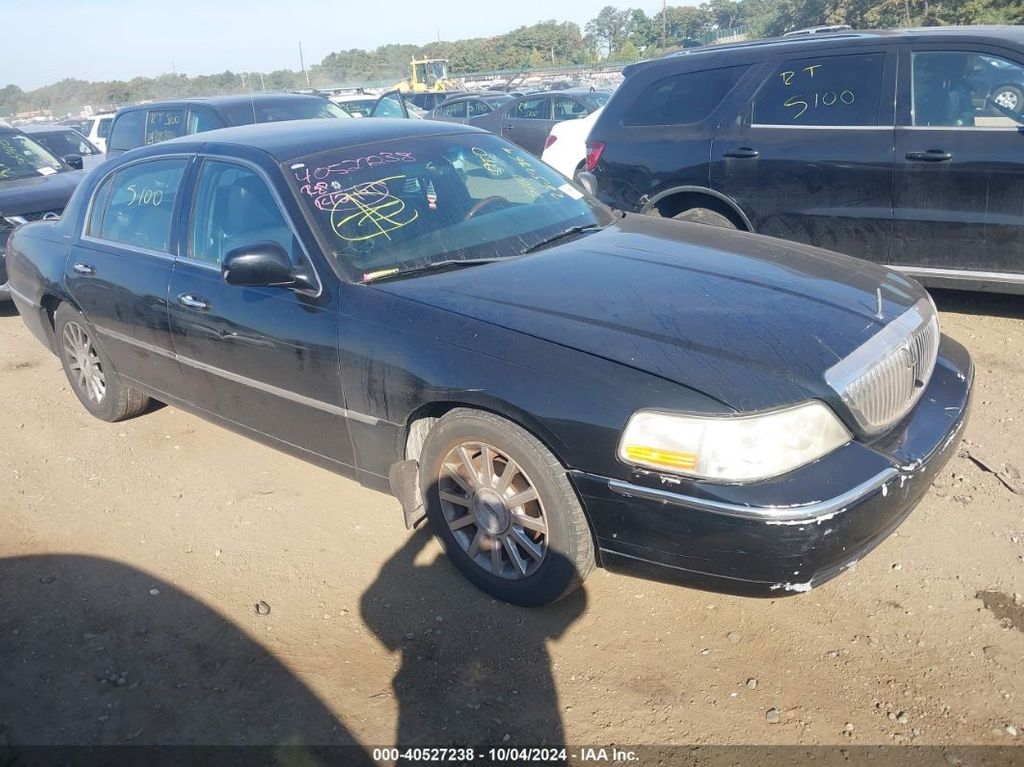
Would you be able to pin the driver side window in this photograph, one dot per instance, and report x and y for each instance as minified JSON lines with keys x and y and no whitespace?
{"x":234,"y":208}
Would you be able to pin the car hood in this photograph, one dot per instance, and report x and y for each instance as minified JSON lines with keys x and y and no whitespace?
{"x":749,"y":320}
{"x":39,"y":193}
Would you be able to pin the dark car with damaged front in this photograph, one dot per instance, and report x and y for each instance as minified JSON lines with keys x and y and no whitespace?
{"x":429,"y":309}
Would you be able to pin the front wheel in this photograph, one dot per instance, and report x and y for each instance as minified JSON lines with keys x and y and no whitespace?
{"x":503,"y":508}
{"x":91,"y":374}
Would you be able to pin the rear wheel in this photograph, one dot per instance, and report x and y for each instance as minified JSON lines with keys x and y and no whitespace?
{"x":705,"y":216}
{"x":91,"y":374}
{"x":504,"y":510}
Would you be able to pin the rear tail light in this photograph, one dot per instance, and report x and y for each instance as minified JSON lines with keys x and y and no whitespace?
{"x":594,"y":150}
{"x":551,"y":139}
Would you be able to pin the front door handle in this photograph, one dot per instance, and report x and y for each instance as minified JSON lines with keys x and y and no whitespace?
{"x":86,"y":270}
{"x":932,"y":155}
{"x":191,"y":302}
{"x":743,"y":153}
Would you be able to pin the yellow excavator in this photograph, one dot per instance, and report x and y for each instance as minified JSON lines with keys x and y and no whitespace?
{"x":427,"y":76}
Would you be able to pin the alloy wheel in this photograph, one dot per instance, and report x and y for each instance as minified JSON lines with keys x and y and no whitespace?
{"x":493,"y":510}
{"x":1008,"y":100}
{"x":84,"y":363}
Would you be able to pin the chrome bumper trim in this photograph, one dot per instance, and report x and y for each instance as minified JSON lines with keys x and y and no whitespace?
{"x":818,"y":511}
{"x":19,"y":295}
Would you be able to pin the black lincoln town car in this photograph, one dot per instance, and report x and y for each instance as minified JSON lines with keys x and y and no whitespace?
{"x":427,"y":308}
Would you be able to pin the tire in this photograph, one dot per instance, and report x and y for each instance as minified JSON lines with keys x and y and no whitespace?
{"x":101,"y":390}
{"x":705,"y":216}
{"x":1009,"y":96}
{"x":467,"y":512}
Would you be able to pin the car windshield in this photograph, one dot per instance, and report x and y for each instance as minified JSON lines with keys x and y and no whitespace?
{"x":21,"y":157}
{"x":403,"y":205}
{"x":65,"y":142}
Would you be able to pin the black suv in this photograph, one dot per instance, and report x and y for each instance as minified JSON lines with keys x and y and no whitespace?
{"x":161,"y":120}
{"x":34,"y":184}
{"x":901,"y":147}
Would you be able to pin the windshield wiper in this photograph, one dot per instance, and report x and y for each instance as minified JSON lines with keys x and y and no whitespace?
{"x":436,"y":266}
{"x":560,"y":236}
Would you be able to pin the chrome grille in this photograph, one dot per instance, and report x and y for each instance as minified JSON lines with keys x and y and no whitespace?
{"x":882,"y":379}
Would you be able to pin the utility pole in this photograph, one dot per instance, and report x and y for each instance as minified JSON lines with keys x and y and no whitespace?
{"x":263,"y":84}
{"x":664,"y":23}
{"x":302,"y":63}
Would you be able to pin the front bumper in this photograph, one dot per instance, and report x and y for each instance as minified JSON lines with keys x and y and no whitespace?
{"x":791,"y":533}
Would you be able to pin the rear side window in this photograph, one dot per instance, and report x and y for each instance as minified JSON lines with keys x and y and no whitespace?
{"x":531,"y":109}
{"x":202,"y":120}
{"x":683,"y":99}
{"x":458,"y":109}
{"x":833,"y":90}
{"x":127,"y":130}
{"x":477,"y":108}
{"x":164,"y":124}
{"x":104,"y":129}
{"x":136,"y":206}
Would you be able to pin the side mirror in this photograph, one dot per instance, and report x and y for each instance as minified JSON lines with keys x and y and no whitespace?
{"x":260,"y":265}
{"x":589,"y":183}
{"x":74,"y":160}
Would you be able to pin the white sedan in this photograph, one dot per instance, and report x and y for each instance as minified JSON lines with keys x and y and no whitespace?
{"x":566,"y":147}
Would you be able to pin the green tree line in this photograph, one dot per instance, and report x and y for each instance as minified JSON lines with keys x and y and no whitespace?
{"x":619,"y":34}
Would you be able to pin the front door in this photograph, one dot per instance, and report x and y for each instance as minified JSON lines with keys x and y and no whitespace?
{"x":263,"y":358}
{"x":959,"y":179}
{"x":809,"y":158}
{"x":527,"y":123}
{"x":119,"y":269}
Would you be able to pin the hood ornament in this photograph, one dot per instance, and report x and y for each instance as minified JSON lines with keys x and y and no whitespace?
{"x":878,"y":304}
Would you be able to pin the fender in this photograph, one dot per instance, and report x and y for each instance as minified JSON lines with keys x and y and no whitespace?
{"x":648,"y":203}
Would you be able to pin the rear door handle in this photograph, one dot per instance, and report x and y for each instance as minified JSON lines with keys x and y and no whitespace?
{"x":86,"y":270}
{"x":743,"y":153}
{"x":932,"y":155}
{"x":191,"y":302}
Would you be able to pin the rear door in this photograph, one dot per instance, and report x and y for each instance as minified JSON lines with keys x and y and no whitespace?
{"x":810,"y":156}
{"x":527,"y":123}
{"x":959,"y":180}
{"x":263,"y":358}
{"x":120,"y":267}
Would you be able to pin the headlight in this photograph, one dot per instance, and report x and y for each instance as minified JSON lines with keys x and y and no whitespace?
{"x":742,"y":448}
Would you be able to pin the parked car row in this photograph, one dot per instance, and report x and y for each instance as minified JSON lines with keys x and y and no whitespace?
{"x":636,"y":379}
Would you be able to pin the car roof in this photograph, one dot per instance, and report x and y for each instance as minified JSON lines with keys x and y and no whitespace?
{"x":807,"y":42}
{"x":236,"y":99}
{"x":289,"y":139}
{"x":46,"y":128}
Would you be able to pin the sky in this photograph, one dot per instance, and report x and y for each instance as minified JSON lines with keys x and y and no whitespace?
{"x":120,"y":39}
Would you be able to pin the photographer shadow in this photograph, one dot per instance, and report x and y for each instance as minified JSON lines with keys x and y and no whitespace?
{"x":96,"y":653}
{"x":474,"y":671}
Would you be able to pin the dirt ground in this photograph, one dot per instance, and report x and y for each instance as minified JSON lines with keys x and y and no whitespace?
{"x":163,"y":580}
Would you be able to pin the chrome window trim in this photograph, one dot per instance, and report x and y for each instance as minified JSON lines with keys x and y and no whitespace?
{"x":202,"y":157}
{"x":809,"y":513}
{"x":975,"y":128}
{"x":277,"y":391}
{"x":823,"y":127}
